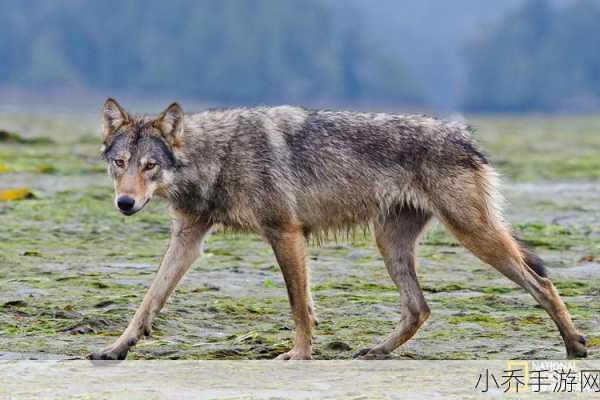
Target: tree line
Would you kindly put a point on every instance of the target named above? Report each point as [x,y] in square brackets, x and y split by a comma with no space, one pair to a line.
[539,57]
[224,51]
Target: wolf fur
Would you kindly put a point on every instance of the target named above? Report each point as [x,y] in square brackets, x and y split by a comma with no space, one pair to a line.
[289,173]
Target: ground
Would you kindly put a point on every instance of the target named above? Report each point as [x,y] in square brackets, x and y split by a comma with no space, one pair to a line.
[73,270]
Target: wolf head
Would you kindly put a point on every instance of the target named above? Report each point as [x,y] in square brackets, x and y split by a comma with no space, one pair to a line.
[140,152]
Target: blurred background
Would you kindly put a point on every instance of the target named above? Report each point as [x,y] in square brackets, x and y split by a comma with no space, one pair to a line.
[512,56]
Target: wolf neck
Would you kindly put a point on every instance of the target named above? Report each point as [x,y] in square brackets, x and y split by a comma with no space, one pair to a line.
[200,166]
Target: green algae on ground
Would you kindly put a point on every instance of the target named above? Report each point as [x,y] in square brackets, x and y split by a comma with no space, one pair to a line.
[534,148]
[483,320]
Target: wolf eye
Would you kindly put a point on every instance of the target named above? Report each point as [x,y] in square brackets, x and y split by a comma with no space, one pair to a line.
[149,166]
[119,163]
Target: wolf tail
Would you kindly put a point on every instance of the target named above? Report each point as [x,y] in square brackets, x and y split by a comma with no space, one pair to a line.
[532,260]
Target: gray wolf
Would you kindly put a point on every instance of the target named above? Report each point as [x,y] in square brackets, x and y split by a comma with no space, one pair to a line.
[287,173]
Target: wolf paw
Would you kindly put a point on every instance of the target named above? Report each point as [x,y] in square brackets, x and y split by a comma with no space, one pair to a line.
[295,354]
[109,354]
[577,348]
[369,354]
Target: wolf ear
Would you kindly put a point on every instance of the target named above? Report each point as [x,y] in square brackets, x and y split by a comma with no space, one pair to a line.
[113,117]
[170,124]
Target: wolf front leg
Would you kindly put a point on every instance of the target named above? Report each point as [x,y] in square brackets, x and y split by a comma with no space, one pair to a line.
[290,250]
[184,248]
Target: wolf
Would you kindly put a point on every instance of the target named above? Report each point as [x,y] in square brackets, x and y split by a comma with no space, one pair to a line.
[289,173]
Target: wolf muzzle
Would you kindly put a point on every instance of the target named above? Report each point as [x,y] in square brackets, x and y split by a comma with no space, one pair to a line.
[127,205]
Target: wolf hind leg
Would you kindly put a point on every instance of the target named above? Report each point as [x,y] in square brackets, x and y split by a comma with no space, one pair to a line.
[396,235]
[470,214]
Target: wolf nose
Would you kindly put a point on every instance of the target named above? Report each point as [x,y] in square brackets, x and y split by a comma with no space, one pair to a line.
[125,203]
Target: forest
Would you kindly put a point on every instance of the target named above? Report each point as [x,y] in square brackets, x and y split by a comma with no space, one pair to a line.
[537,55]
